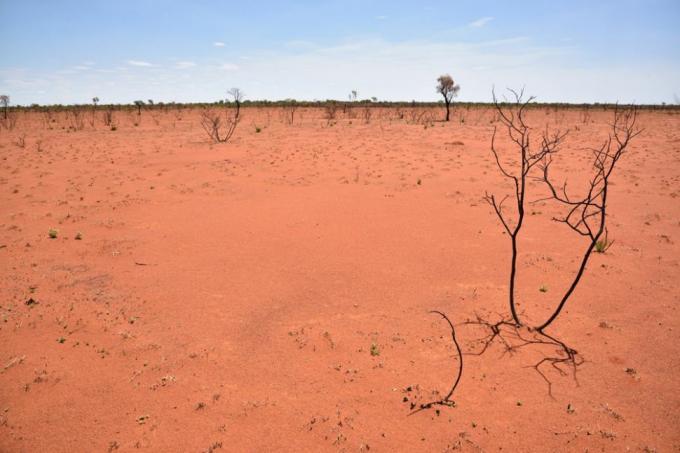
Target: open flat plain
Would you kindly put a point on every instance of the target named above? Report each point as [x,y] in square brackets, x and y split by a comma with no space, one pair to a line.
[273,292]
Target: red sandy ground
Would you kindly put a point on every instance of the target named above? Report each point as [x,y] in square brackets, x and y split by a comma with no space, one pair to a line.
[227,296]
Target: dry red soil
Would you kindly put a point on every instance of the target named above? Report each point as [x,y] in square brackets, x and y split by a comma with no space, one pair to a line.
[272,293]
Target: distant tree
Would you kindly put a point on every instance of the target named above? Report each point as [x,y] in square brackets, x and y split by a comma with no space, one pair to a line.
[4,102]
[353,96]
[139,105]
[448,89]
[95,100]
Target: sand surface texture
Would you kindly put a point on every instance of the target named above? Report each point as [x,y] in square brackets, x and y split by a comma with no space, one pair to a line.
[272,293]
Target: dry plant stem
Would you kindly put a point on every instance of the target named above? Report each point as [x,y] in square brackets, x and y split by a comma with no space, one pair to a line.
[446,401]
[587,215]
[212,124]
[512,118]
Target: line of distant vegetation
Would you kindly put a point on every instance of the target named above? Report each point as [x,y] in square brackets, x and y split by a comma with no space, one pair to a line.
[364,103]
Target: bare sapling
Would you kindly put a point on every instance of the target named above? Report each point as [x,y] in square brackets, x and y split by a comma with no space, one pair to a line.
[77,122]
[330,111]
[291,108]
[212,122]
[585,215]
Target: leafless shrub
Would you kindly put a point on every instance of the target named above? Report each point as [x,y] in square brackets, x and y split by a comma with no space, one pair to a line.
[47,118]
[367,114]
[77,123]
[107,116]
[414,115]
[21,141]
[585,215]
[290,110]
[330,111]
[211,121]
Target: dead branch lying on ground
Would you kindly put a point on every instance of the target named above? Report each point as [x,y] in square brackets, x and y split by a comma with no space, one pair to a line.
[446,401]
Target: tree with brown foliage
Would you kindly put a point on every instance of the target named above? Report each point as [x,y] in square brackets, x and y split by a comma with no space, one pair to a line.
[448,89]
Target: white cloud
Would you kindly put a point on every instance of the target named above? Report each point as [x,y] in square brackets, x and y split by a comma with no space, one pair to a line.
[139,63]
[480,22]
[389,70]
[381,17]
[218,44]
[185,64]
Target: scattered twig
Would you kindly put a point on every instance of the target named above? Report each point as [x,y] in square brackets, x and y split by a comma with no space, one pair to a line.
[446,401]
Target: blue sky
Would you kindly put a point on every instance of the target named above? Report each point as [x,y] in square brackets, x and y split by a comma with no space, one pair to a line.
[69,51]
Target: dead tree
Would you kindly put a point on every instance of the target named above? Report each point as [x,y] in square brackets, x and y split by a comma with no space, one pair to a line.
[237,95]
[330,110]
[211,121]
[585,215]
[291,108]
[76,118]
[108,116]
[513,121]
[448,89]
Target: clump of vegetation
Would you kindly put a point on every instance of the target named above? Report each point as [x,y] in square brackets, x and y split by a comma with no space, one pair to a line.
[375,349]
[79,236]
[602,245]
[53,233]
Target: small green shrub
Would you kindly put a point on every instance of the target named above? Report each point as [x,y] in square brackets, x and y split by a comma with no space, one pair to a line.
[603,245]
[53,233]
